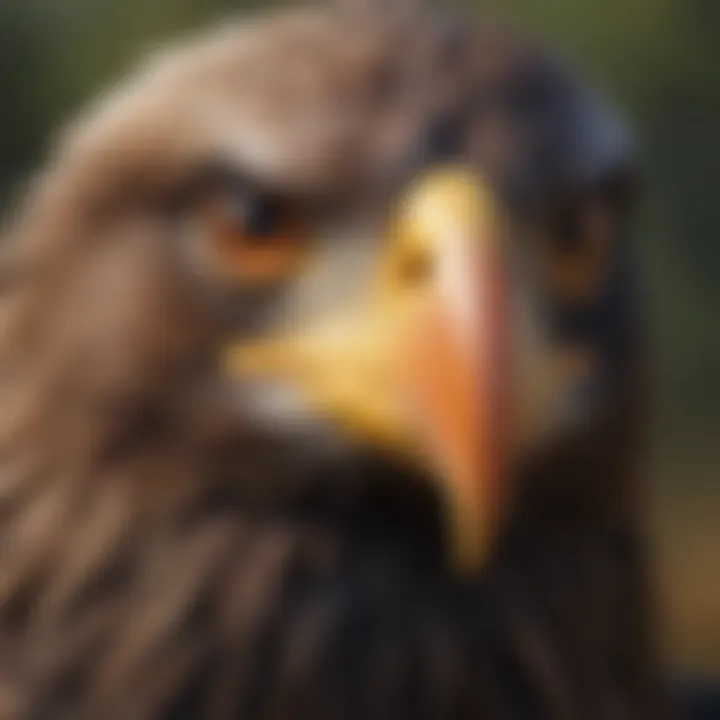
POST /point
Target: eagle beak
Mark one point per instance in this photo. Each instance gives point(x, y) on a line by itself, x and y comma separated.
point(422, 367)
point(454, 365)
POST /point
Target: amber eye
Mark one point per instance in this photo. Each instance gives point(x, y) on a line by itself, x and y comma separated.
point(581, 243)
point(256, 236)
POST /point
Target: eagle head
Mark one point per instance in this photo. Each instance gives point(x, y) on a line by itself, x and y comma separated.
point(318, 251)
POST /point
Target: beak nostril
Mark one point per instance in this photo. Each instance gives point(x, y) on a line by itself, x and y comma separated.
point(417, 268)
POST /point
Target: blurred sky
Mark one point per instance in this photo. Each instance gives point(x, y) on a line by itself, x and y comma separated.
point(661, 58)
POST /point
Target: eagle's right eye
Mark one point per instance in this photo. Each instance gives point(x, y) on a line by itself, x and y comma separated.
point(260, 217)
point(255, 236)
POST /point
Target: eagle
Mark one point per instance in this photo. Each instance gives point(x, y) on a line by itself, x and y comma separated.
point(322, 380)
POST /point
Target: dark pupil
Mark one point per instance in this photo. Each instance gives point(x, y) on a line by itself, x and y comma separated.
point(260, 217)
point(568, 231)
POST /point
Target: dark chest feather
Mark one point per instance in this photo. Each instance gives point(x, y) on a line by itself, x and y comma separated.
point(339, 611)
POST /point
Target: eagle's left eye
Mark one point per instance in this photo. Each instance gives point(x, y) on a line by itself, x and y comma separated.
point(581, 243)
point(255, 236)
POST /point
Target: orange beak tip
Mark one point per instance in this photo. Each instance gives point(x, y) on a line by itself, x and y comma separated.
point(443, 388)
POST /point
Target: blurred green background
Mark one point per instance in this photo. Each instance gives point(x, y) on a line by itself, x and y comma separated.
point(661, 58)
